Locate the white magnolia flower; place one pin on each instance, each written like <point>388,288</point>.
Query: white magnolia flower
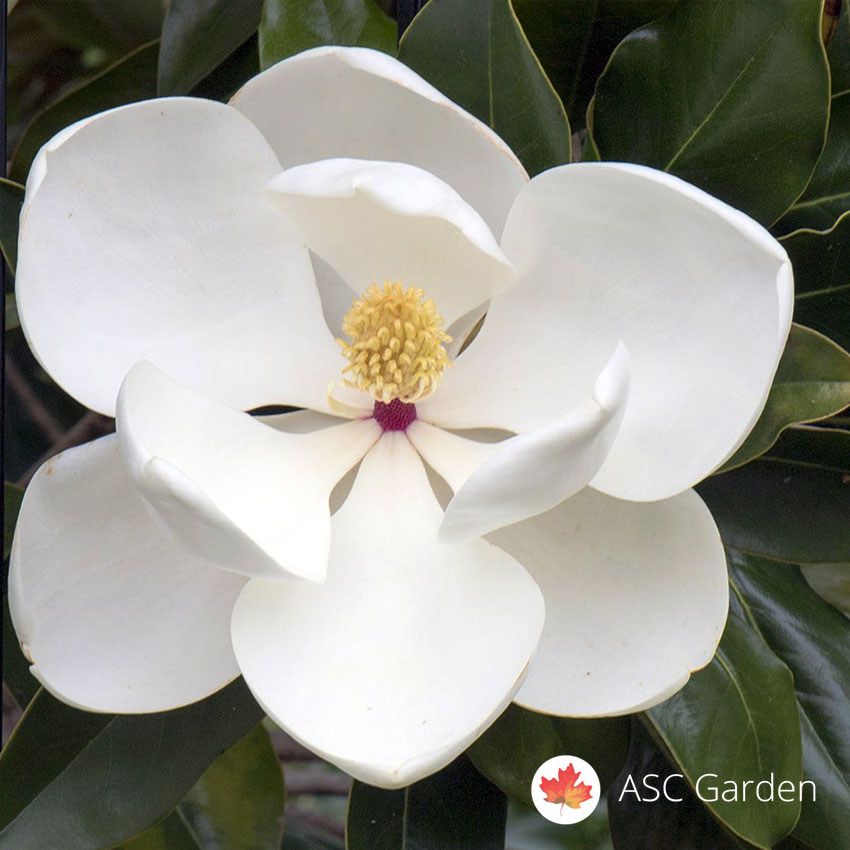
<point>633,328</point>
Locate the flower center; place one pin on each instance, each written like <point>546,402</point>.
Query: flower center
<point>395,416</point>
<point>396,351</point>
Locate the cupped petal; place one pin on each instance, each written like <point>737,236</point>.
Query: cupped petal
<point>113,615</point>
<point>698,292</point>
<point>531,472</point>
<point>636,599</point>
<point>144,235</point>
<point>408,651</point>
<point>359,103</point>
<point>247,497</point>
<point>389,221</point>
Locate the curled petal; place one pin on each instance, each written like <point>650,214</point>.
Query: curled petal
<point>388,221</point>
<point>636,599</point>
<point>114,615</point>
<point>408,651</point>
<point>354,102</point>
<point>248,497</point>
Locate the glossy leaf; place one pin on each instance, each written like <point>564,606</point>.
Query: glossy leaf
<point>455,809</point>
<point>130,79</point>
<point>76,780</point>
<point>838,52</point>
<point>787,508</point>
<point>169,834</point>
<point>16,669</point>
<point>231,74</point>
<point>238,803</point>
<point>821,262</point>
<point>528,831</point>
<point>812,382</point>
<point>512,749</point>
<point>731,96</point>
<point>814,641</point>
<point>827,197</point>
<point>290,26</point>
<point>574,39</point>
<point>11,201</point>
<point>478,55</point>
<point>12,498</point>
<point>738,718</point>
<point>198,35</point>
<point>652,808</point>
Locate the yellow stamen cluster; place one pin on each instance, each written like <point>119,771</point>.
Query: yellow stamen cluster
<point>396,348</point>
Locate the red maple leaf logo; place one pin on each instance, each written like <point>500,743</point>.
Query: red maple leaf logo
<point>564,789</point>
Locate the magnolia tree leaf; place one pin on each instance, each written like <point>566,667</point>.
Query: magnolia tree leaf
<point>455,809</point>
<point>812,382</point>
<point>738,719</point>
<point>238,803</point>
<point>169,834</point>
<point>77,780</point>
<point>478,55</point>
<point>574,39</point>
<point>198,35</point>
<point>231,74</point>
<point>512,749</point>
<point>822,278</point>
<point>827,197</point>
<point>838,53</point>
<point>814,641</point>
<point>787,507</point>
<point>130,79</point>
<point>11,201</point>
<point>290,26</point>
<point>528,831</point>
<point>649,806</point>
<point>731,96</point>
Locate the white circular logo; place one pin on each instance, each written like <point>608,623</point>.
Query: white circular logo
<point>565,789</point>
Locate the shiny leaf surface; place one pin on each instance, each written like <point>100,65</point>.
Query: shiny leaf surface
<point>731,96</point>
<point>198,35</point>
<point>290,26</point>
<point>738,719</point>
<point>76,780</point>
<point>814,641</point>
<point>477,55</point>
<point>11,200</point>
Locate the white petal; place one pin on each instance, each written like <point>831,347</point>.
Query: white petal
<point>532,472</point>
<point>636,599</point>
<point>353,102</point>
<point>114,615</point>
<point>144,235</point>
<point>831,582</point>
<point>248,497</point>
<point>388,221</point>
<point>696,290</point>
<point>409,650</point>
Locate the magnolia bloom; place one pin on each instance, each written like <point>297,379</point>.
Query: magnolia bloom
<point>377,565</point>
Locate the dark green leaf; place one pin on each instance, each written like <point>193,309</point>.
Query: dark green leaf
<point>12,498</point>
<point>455,809</point>
<point>477,54</point>
<point>812,382</point>
<point>117,27</point>
<point>170,834</point>
<point>731,96</point>
<point>11,201</point>
<point>786,508</point>
<point>290,26</point>
<point>528,831</point>
<point>13,320</point>
<point>822,279</point>
<point>76,780</point>
<point>738,719</point>
<point>650,807</point>
<point>813,639</point>
<point>132,78</point>
<point>232,74</point>
<point>198,35</point>
<point>827,197</point>
<point>238,803</point>
<point>838,51</point>
<point>16,668</point>
<point>575,38</point>
<point>512,749</point>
